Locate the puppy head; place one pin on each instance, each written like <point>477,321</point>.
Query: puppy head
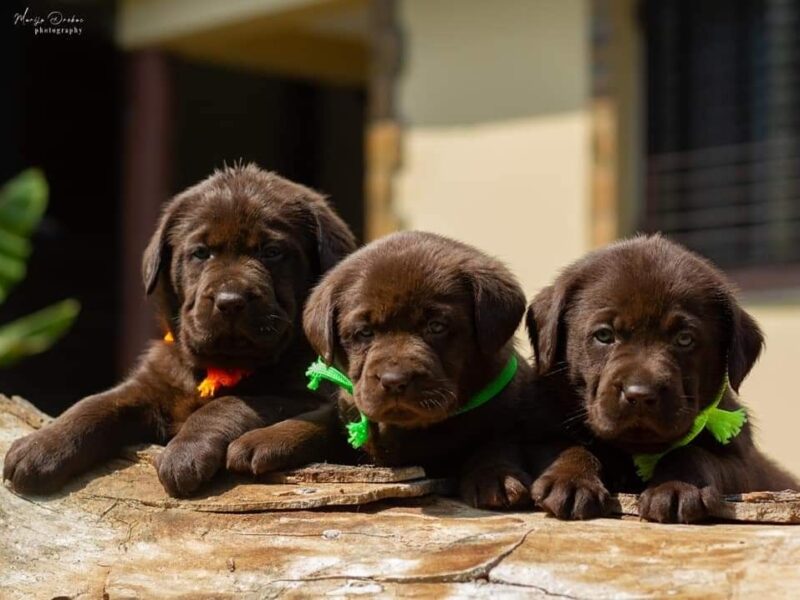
<point>418,321</point>
<point>646,331</point>
<point>232,260</point>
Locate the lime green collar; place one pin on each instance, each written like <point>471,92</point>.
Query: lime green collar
<point>358,431</point>
<point>724,425</point>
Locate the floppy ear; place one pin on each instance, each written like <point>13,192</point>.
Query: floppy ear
<point>543,322</point>
<point>499,305</point>
<point>319,320</point>
<point>157,254</point>
<point>334,238</point>
<point>745,343</point>
<point>545,319</point>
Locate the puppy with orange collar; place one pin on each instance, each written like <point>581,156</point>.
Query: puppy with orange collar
<point>230,265</point>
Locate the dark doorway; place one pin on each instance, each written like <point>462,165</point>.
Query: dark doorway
<point>66,111</point>
<point>61,112</point>
<point>310,132</point>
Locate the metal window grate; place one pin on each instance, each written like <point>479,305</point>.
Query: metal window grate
<point>723,127</point>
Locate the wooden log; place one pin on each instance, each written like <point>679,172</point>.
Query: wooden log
<point>113,534</point>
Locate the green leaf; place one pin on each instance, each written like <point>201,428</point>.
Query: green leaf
<point>12,271</point>
<point>23,201</point>
<point>36,332</point>
<point>14,245</point>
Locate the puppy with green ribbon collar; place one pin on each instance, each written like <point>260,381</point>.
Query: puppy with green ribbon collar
<point>723,425</point>
<point>641,348</point>
<point>416,330</point>
<point>358,431</point>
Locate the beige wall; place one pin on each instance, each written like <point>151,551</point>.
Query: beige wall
<point>496,145</point>
<point>494,97</point>
<point>771,392</point>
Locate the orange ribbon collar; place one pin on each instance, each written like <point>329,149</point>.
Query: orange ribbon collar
<point>215,378</point>
<point>219,378</point>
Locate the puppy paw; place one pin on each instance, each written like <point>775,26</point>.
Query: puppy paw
<point>186,464</point>
<point>571,498</point>
<point>677,502</point>
<point>496,488</point>
<point>41,462</point>
<point>258,452</point>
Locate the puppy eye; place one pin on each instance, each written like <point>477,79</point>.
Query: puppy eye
<point>684,339</point>
<point>271,253</point>
<point>202,253</point>
<point>436,327</point>
<point>605,335</point>
<point>364,334</point>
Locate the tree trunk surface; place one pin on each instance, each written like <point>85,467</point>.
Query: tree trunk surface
<point>114,533</point>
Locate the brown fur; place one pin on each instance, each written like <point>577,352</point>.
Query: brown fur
<point>230,265</point>
<point>419,323</point>
<point>672,328</point>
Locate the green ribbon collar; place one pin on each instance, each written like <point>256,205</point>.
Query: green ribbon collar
<point>358,431</point>
<point>724,425</point>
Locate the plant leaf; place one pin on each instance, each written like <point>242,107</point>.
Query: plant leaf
<point>12,271</point>
<point>14,245</point>
<point>23,201</point>
<point>36,332</point>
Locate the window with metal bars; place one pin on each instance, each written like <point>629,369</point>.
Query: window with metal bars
<point>722,95</point>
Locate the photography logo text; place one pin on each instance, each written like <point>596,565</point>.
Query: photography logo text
<point>53,23</point>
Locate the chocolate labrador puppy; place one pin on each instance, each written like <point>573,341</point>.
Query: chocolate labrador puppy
<point>422,327</point>
<point>230,265</point>
<point>640,349</point>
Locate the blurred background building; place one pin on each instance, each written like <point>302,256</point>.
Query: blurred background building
<point>534,129</point>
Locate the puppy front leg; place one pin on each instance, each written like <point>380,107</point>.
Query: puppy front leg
<point>687,483</point>
<point>570,486</point>
<point>197,451</point>
<point>495,478</point>
<point>91,431</point>
<point>314,436</point>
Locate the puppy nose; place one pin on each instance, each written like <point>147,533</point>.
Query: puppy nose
<point>641,394</point>
<point>229,303</point>
<point>395,382</point>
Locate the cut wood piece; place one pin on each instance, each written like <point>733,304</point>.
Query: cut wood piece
<point>330,473</point>
<point>770,497</point>
<point>137,483</point>
<point>761,507</point>
<point>754,507</point>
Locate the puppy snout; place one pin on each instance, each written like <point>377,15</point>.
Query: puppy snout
<point>395,381</point>
<point>641,394</point>
<point>230,303</point>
